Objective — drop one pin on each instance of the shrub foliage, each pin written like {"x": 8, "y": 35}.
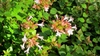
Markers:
{"x": 49, "y": 27}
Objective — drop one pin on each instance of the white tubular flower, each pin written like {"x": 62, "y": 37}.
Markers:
{"x": 56, "y": 16}
{"x": 41, "y": 24}
{"x": 24, "y": 39}
{"x": 40, "y": 47}
{"x": 71, "y": 19}
{"x": 27, "y": 51}
{"x": 66, "y": 17}
{"x": 40, "y": 37}
{"x": 23, "y": 46}
{"x": 30, "y": 17}
{"x": 37, "y": 1}
{"x": 46, "y": 9}
{"x": 74, "y": 27}
{"x": 58, "y": 33}
{"x": 70, "y": 32}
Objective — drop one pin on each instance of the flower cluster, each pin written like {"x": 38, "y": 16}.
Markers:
{"x": 31, "y": 42}
{"x": 43, "y": 3}
{"x": 60, "y": 26}
{"x": 63, "y": 25}
{"x": 30, "y": 24}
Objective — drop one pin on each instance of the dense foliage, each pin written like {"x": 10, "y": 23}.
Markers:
{"x": 49, "y": 27}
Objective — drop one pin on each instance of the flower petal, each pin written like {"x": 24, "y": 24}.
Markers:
{"x": 58, "y": 33}
{"x": 56, "y": 16}
{"x": 74, "y": 27}
{"x": 30, "y": 17}
{"x": 41, "y": 24}
{"x": 37, "y": 1}
{"x": 70, "y": 32}
{"x": 40, "y": 47}
{"x": 24, "y": 39}
{"x": 66, "y": 17}
{"x": 27, "y": 51}
{"x": 46, "y": 8}
{"x": 71, "y": 19}
{"x": 40, "y": 37}
{"x": 23, "y": 46}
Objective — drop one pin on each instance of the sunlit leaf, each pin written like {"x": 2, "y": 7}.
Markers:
{"x": 53, "y": 11}
{"x": 84, "y": 6}
{"x": 81, "y": 20}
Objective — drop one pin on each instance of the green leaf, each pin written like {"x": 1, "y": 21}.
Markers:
{"x": 84, "y": 6}
{"x": 87, "y": 0}
{"x": 10, "y": 49}
{"x": 62, "y": 51}
{"x": 46, "y": 30}
{"x": 61, "y": 3}
{"x": 68, "y": 54}
{"x": 91, "y": 1}
{"x": 97, "y": 31}
{"x": 40, "y": 14}
{"x": 19, "y": 17}
{"x": 80, "y": 35}
{"x": 7, "y": 13}
{"x": 62, "y": 38}
{"x": 91, "y": 7}
{"x": 85, "y": 15}
{"x": 7, "y": 45}
{"x": 1, "y": 12}
{"x": 53, "y": 11}
{"x": 67, "y": 48}
{"x": 34, "y": 19}
{"x": 91, "y": 44}
{"x": 66, "y": 0}
{"x": 88, "y": 20}
{"x": 34, "y": 32}
{"x": 1, "y": 19}
{"x": 95, "y": 40}
{"x": 52, "y": 54}
{"x": 14, "y": 25}
{"x": 81, "y": 20}
{"x": 46, "y": 15}
{"x": 79, "y": 49}
{"x": 85, "y": 25}
{"x": 69, "y": 4}
{"x": 97, "y": 47}
{"x": 98, "y": 39}
{"x": 8, "y": 35}
{"x": 80, "y": 31}
{"x": 84, "y": 28}
{"x": 11, "y": 30}
{"x": 59, "y": 12}
{"x": 98, "y": 0}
